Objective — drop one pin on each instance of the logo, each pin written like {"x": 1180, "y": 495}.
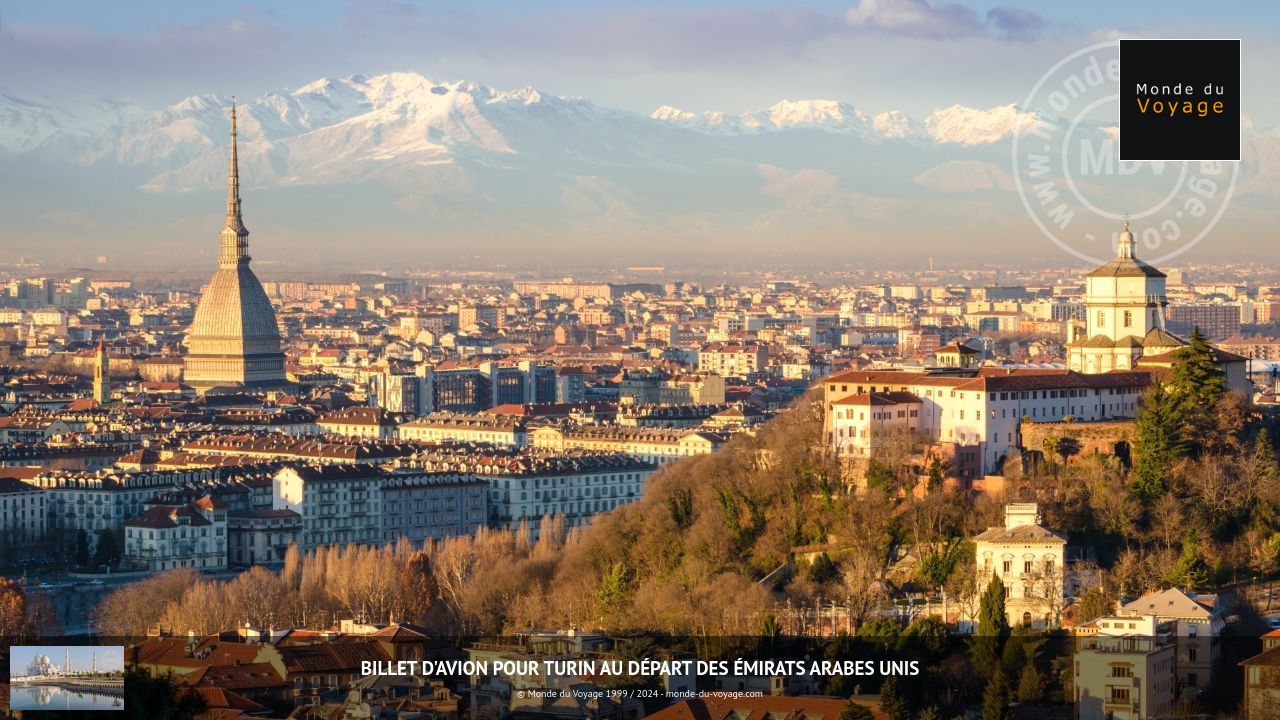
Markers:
{"x": 1071, "y": 180}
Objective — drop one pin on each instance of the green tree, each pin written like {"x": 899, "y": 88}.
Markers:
{"x": 1030, "y": 687}
{"x": 1095, "y": 603}
{"x": 1190, "y": 571}
{"x": 854, "y": 711}
{"x": 1198, "y": 384}
{"x": 82, "y": 548}
{"x": 1159, "y": 427}
{"x": 614, "y": 590}
{"x": 993, "y": 625}
{"x": 108, "y": 551}
{"x": 995, "y": 699}
{"x": 1195, "y": 375}
{"x": 1051, "y": 446}
{"x": 893, "y": 701}
{"x": 928, "y": 635}
{"x": 937, "y": 472}
{"x": 822, "y": 569}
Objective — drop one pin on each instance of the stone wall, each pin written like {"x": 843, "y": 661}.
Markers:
{"x": 1111, "y": 437}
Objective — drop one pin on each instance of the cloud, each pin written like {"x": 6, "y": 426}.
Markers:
{"x": 1013, "y": 23}
{"x": 917, "y": 18}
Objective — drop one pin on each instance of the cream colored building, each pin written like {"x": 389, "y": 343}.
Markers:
{"x": 863, "y": 422}
{"x": 649, "y": 444}
{"x": 1124, "y": 315}
{"x": 1125, "y": 671}
{"x": 505, "y": 430}
{"x": 1030, "y": 561}
{"x": 1197, "y": 622}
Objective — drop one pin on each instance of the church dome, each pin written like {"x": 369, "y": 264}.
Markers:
{"x": 234, "y": 308}
{"x": 1125, "y": 263}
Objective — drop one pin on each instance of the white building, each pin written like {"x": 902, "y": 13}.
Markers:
{"x": 1029, "y": 560}
{"x": 374, "y": 423}
{"x": 579, "y": 486}
{"x": 732, "y": 359}
{"x": 1125, "y": 671}
{"x": 1124, "y": 314}
{"x": 976, "y": 413}
{"x": 191, "y": 535}
{"x": 339, "y": 504}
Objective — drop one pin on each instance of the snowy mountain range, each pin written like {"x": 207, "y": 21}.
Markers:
{"x": 474, "y": 160}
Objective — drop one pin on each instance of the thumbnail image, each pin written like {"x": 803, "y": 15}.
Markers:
{"x": 66, "y": 677}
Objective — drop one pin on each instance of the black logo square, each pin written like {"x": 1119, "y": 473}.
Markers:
{"x": 1179, "y": 99}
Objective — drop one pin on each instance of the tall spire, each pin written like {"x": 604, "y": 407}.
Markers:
{"x": 235, "y": 236}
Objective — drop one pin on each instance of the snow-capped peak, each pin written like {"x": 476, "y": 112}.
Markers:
{"x": 814, "y": 113}
{"x": 970, "y": 126}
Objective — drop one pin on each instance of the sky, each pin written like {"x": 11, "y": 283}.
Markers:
{"x": 909, "y": 55}
{"x": 109, "y": 658}
{"x": 913, "y": 56}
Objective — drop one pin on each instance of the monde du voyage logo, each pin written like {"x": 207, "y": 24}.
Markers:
{"x": 1180, "y": 100}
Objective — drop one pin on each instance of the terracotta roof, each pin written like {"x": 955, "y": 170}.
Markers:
{"x": 166, "y": 517}
{"x": 210, "y": 651}
{"x": 1269, "y": 657}
{"x": 218, "y": 698}
{"x": 880, "y": 398}
{"x": 244, "y": 676}
{"x": 329, "y": 657}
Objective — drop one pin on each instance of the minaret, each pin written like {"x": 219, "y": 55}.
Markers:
{"x": 102, "y": 375}
{"x": 235, "y": 236}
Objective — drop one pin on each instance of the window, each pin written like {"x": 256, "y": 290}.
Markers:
{"x": 1026, "y": 567}
{"x": 1008, "y": 565}
{"x": 1128, "y": 318}
{"x": 1102, "y": 317}
{"x": 1119, "y": 694}
{"x": 1122, "y": 671}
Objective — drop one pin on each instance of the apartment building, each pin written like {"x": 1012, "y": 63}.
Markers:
{"x": 428, "y": 506}
{"x": 577, "y": 487}
{"x": 1125, "y": 671}
{"x": 177, "y": 535}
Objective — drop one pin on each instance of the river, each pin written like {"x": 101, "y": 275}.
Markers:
{"x": 53, "y": 697}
